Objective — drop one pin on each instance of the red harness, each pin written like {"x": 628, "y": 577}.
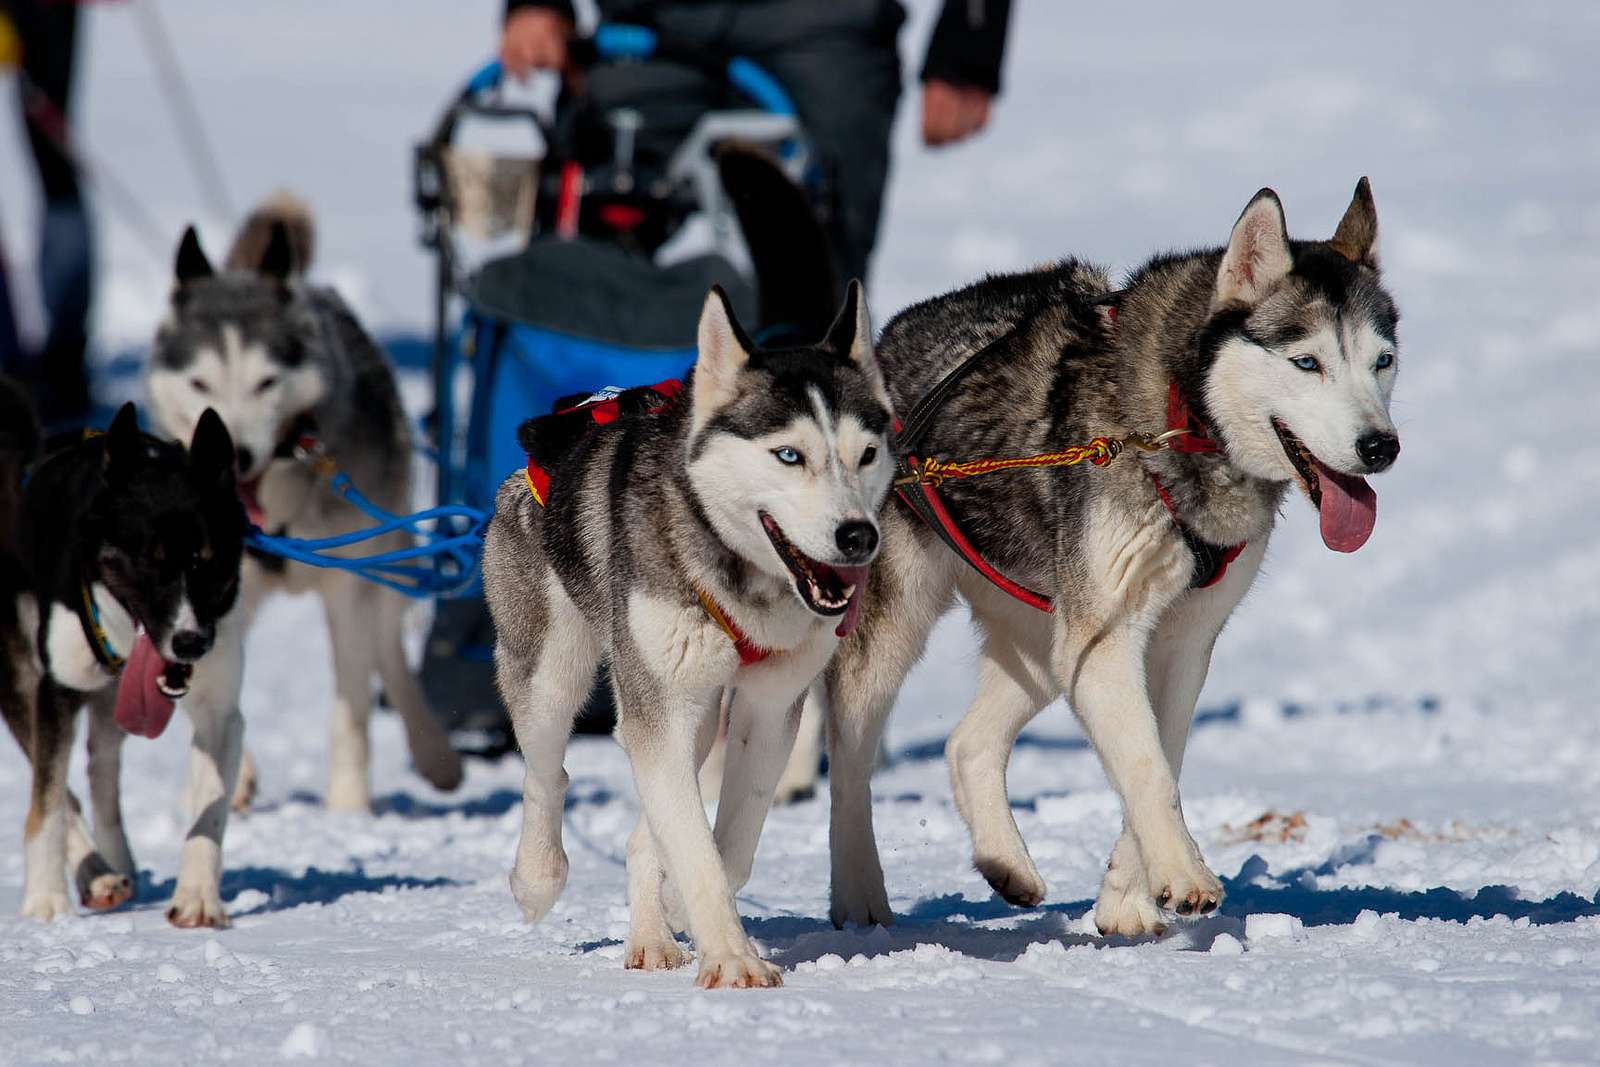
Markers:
{"x": 602, "y": 409}
{"x": 1211, "y": 561}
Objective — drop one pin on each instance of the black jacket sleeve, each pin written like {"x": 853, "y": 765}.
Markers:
{"x": 968, "y": 44}
{"x": 560, "y": 7}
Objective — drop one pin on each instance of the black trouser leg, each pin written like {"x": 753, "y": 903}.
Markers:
{"x": 60, "y": 382}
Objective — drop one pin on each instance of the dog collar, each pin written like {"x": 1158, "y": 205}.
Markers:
{"x": 94, "y": 632}
{"x": 1195, "y": 438}
{"x": 749, "y": 651}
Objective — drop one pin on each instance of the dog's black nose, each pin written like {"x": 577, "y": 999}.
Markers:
{"x": 190, "y": 645}
{"x": 1378, "y": 451}
{"x": 246, "y": 459}
{"x": 856, "y": 539}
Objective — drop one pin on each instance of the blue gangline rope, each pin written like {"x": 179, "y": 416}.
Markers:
{"x": 445, "y": 564}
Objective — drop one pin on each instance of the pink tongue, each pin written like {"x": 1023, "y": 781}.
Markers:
{"x": 142, "y": 708}
{"x": 1349, "y": 509}
{"x": 856, "y": 576}
{"x": 252, "y": 505}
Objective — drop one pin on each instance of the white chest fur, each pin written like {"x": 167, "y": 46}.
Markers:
{"x": 72, "y": 660}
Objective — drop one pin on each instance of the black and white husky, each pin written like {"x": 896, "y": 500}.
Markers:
{"x": 717, "y": 539}
{"x": 119, "y": 590}
{"x": 289, "y": 369}
{"x": 1277, "y": 357}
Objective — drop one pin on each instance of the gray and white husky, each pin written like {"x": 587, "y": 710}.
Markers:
{"x": 1278, "y": 358}
{"x": 719, "y": 541}
{"x": 291, "y": 371}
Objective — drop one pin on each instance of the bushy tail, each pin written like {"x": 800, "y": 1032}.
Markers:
{"x": 284, "y": 209}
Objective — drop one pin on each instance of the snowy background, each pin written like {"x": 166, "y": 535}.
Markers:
{"x": 1420, "y": 719}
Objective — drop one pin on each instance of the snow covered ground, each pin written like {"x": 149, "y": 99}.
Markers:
{"x": 1416, "y": 723}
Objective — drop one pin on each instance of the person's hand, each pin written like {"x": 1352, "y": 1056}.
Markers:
{"x": 951, "y": 113}
{"x": 535, "y": 38}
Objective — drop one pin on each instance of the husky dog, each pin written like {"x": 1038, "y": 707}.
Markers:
{"x": 121, "y": 593}
{"x": 721, "y": 540}
{"x": 293, "y": 374}
{"x": 1277, "y": 357}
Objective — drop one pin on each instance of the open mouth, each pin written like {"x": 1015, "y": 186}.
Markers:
{"x": 825, "y": 589}
{"x": 251, "y": 502}
{"x": 149, "y": 688}
{"x": 1345, "y": 503}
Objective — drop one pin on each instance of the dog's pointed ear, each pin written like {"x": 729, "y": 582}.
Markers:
{"x": 1258, "y": 255}
{"x": 723, "y": 351}
{"x": 1356, "y": 239}
{"x": 277, "y": 259}
{"x": 211, "y": 455}
{"x": 851, "y": 332}
{"x": 191, "y": 264}
{"x": 124, "y": 444}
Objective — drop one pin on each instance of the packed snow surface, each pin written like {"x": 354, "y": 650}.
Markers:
{"x": 1397, "y": 765}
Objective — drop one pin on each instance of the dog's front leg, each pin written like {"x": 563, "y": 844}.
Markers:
{"x": 44, "y": 886}
{"x": 1176, "y": 663}
{"x": 213, "y": 708}
{"x": 659, "y": 732}
{"x": 1102, "y": 672}
{"x": 105, "y": 871}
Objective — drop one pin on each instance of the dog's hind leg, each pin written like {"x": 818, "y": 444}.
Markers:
{"x": 213, "y": 707}
{"x": 799, "y": 780}
{"x": 544, "y": 678}
{"x": 425, "y": 737}
{"x": 911, "y": 586}
{"x": 352, "y": 608}
{"x": 1013, "y": 687}
{"x": 760, "y": 736}
{"x": 1176, "y": 664}
{"x": 44, "y": 892}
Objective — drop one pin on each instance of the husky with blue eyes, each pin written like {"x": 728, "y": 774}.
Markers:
{"x": 1266, "y": 364}
{"x": 698, "y": 537}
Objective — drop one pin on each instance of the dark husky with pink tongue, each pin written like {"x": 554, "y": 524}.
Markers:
{"x": 119, "y": 564}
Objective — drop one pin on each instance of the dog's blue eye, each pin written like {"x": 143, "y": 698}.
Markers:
{"x": 869, "y": 455}
{"x": 789, "y": 457}
{"x": 1385, "y": 360}
{"x": 1307, "y": 363}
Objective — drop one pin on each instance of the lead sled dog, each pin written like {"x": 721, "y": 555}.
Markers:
{"x": 719, "y": 540}
{"x": 1277, "y": 357}
{"x": 293, "y": 375}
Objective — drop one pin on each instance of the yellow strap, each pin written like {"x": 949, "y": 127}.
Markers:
{"x": 540, "y": 500}
{"x": 1100, "y": 451}
{"x": 714, "y": 610}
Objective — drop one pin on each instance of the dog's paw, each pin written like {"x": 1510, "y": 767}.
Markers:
{"x": 738, "y": 971}
{"x": 1018, "y": 883}
{"x": 196, "y": 909}
{"x": 856, "y": 905}
{"x": 536, "y": 885}
{"x": 1127, "y": 911}
{"x": 441, "y": 766}
{"x": 47, "y": 904}
{"x": 654, "y": 956}
{"x": 106, "y": 891}
{"x": 1187, "y": 889}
